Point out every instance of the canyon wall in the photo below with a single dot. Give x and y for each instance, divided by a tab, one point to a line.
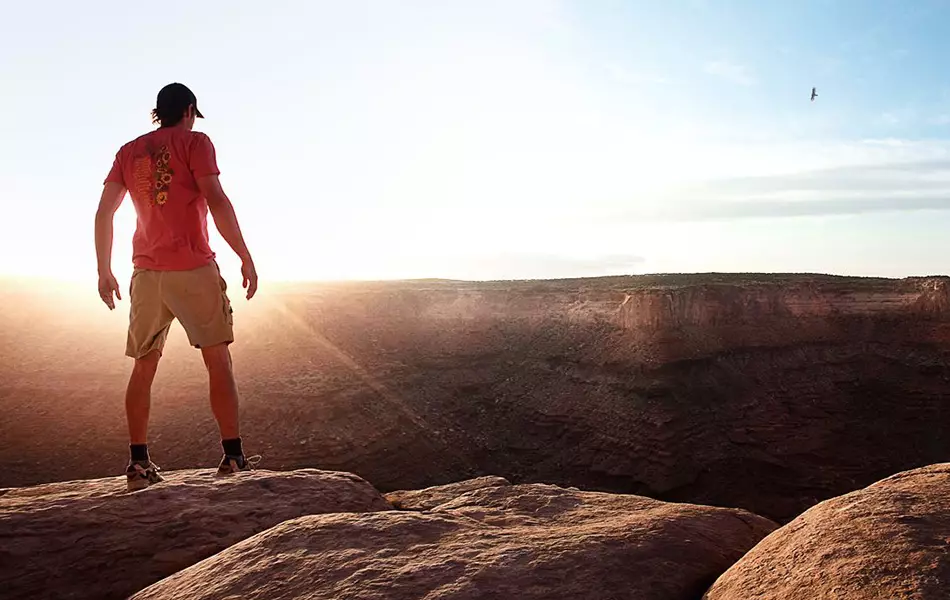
763	305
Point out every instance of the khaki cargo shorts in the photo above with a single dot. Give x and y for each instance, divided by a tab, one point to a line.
197	298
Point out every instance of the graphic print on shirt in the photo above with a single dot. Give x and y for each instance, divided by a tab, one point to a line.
163	175
153	175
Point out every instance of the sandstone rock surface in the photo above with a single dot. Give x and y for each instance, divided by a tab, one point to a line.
93	540
431	497
494	542
889	540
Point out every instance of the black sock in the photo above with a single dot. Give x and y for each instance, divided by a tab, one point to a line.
232	447
139	452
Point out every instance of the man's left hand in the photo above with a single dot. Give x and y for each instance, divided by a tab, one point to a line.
249	273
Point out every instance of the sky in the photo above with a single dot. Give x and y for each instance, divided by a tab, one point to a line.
492	139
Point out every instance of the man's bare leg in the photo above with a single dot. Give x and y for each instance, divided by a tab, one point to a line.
224	395
138	399
138	396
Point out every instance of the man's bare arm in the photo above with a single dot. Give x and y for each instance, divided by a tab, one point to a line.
112	195
226	221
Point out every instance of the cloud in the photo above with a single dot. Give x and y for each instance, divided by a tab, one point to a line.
941	120
846	190
770	208
898	116
896	177
730	71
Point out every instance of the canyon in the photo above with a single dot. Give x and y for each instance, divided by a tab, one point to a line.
768	393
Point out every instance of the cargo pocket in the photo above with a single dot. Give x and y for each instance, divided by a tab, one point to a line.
225	301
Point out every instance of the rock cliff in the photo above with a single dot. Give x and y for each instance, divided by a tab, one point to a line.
493	541
93	540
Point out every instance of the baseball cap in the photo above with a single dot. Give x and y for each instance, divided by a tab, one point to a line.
174	98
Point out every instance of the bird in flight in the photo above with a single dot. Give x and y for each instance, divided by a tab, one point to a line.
814	94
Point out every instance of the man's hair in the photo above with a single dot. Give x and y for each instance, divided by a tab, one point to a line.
167	118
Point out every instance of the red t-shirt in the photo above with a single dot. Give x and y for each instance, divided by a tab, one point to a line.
160	170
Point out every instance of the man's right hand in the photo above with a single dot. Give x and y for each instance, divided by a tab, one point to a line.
107	287
250	278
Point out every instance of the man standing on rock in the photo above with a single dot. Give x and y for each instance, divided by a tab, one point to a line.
172	175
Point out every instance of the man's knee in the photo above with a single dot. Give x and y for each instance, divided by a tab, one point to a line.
148	364
217	357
